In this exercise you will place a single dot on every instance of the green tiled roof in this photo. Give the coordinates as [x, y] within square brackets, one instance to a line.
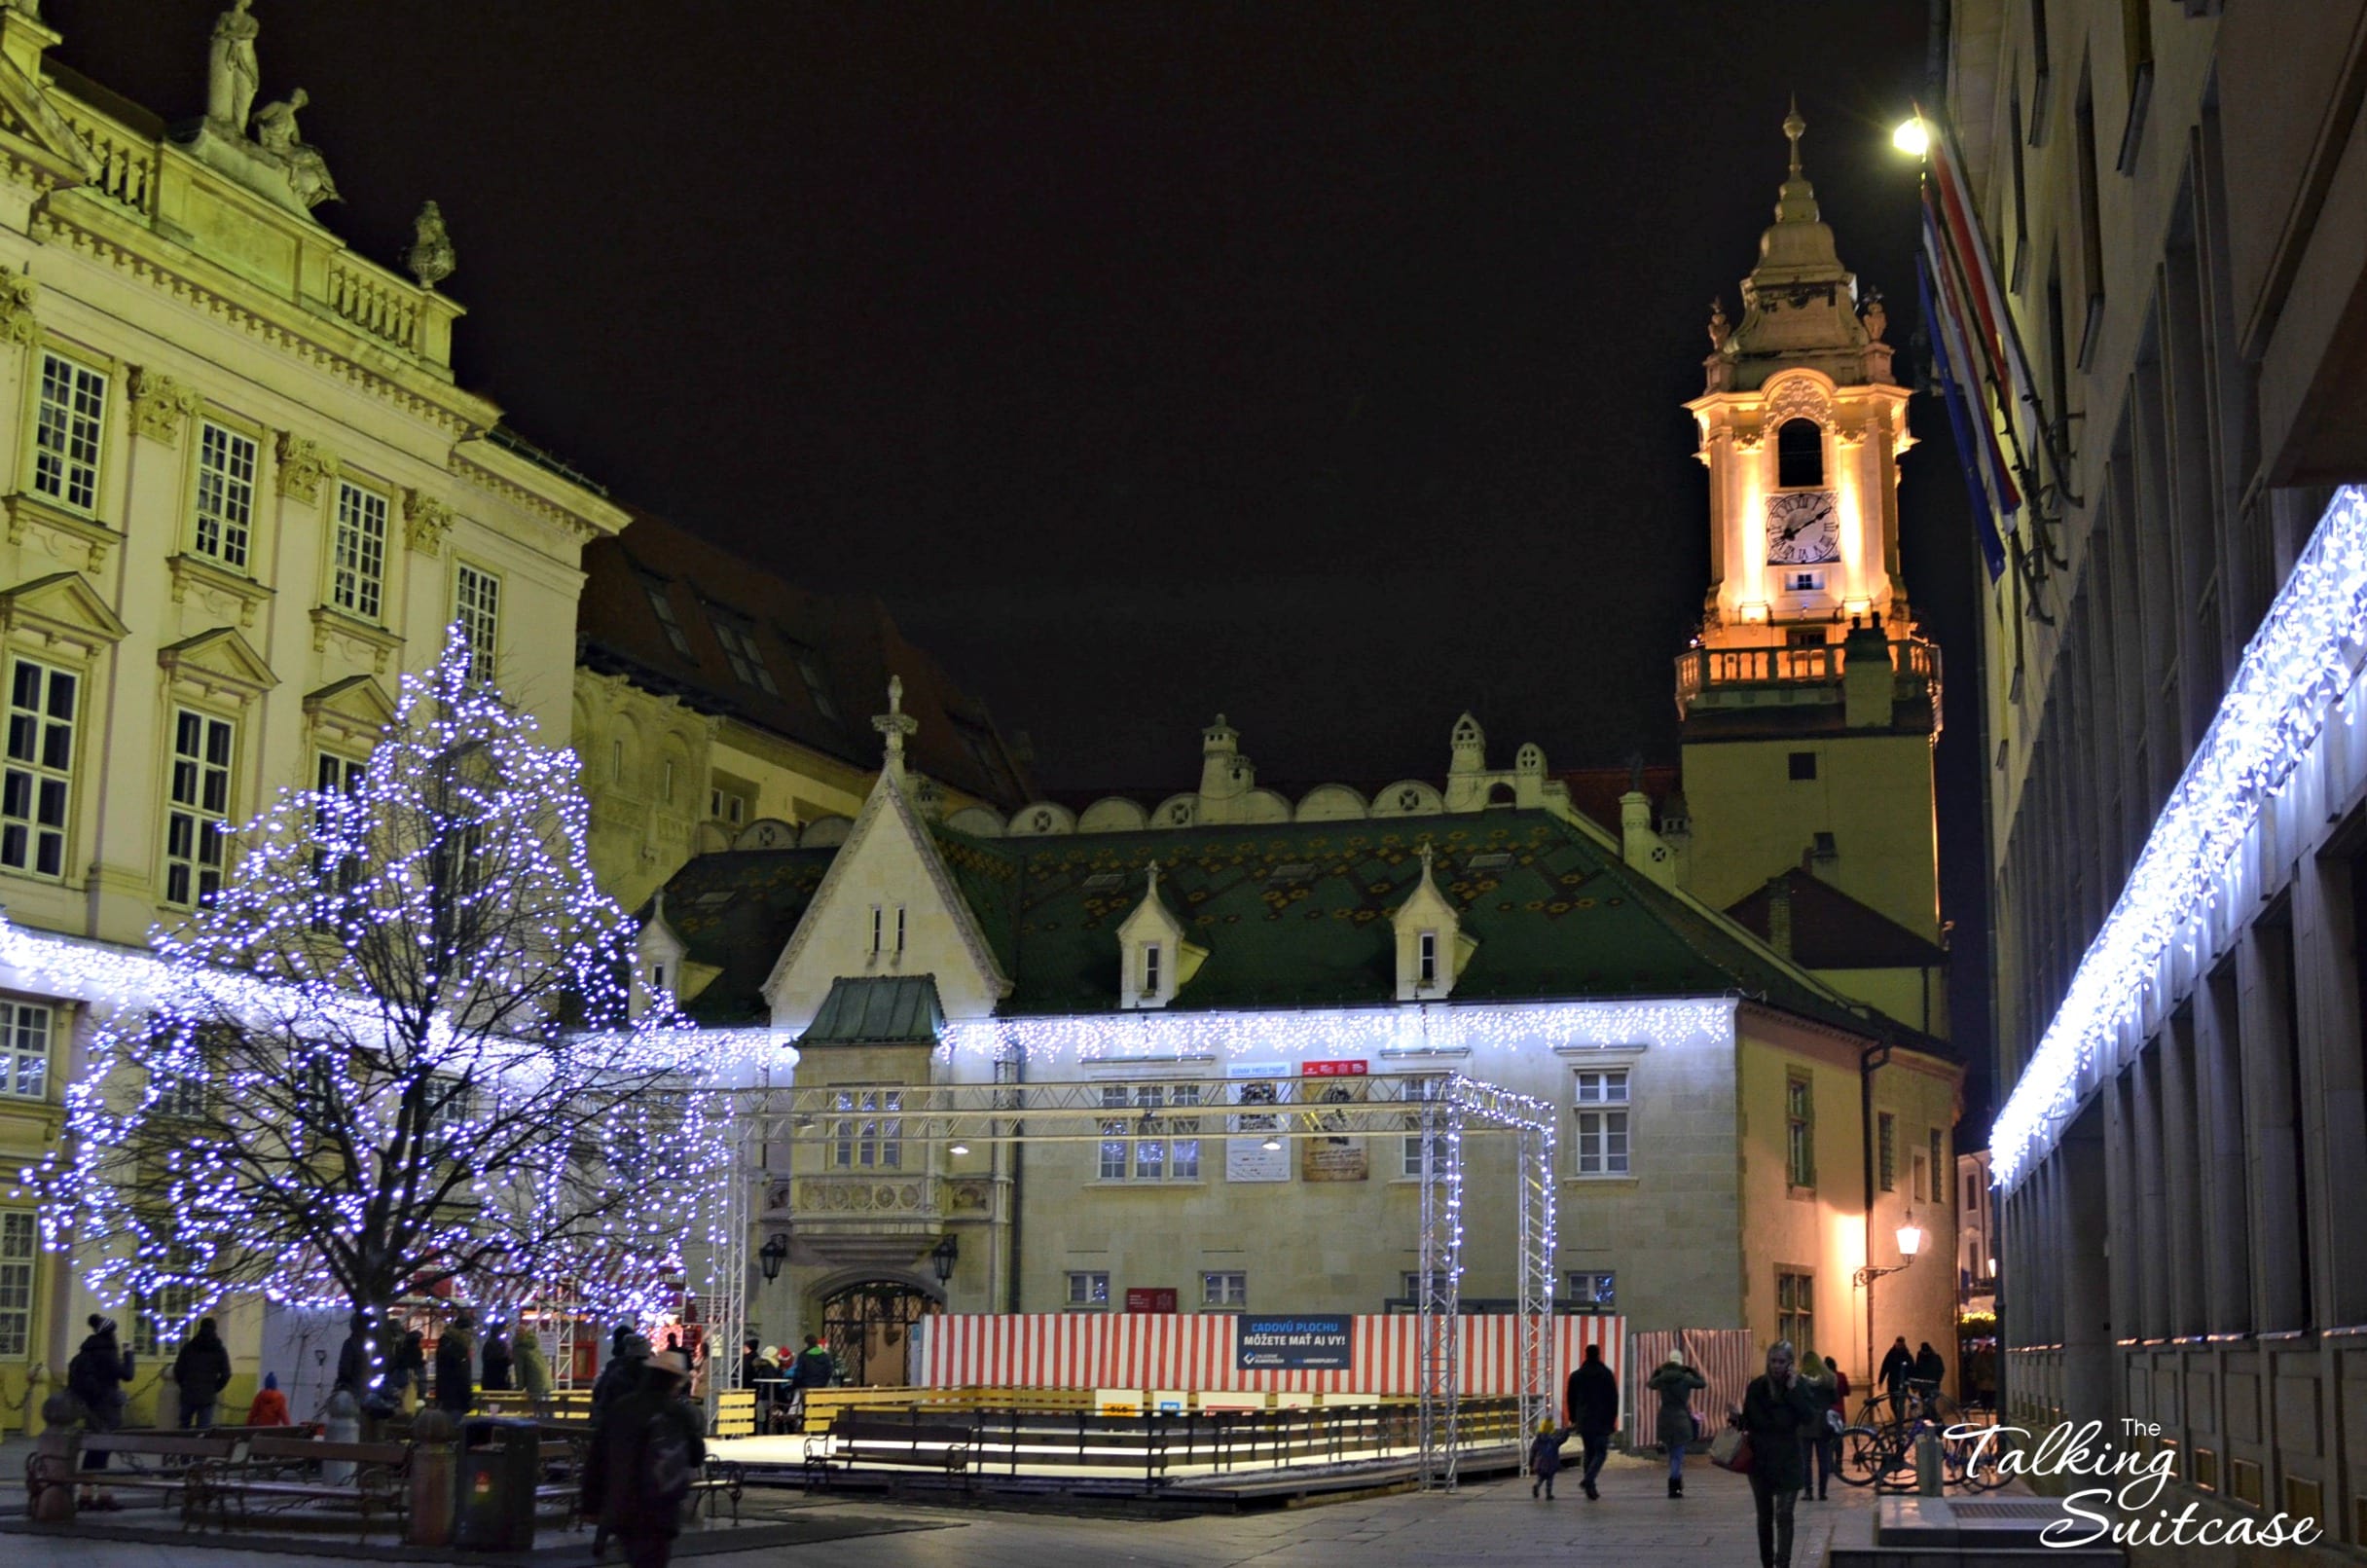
[1297, 915]
[734, 912]
[877, 1009]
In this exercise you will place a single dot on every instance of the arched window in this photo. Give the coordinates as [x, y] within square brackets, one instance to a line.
[1800, 455]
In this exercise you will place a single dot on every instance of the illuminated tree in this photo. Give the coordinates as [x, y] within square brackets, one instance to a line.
[394, 1052]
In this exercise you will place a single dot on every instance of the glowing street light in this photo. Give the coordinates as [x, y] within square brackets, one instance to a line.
[1912, 137]
[1910, 1239]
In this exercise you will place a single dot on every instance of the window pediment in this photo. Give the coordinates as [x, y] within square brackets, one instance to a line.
[61, 610]
[355, 708]
[219, 664]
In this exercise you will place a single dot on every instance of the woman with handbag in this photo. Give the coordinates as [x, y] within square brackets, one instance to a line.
[1675, 1383]
[1779, 1410]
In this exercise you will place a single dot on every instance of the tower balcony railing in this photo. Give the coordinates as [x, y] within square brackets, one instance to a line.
[1773, 674]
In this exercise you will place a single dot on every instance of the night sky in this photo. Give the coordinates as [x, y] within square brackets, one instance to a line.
[1316, 363]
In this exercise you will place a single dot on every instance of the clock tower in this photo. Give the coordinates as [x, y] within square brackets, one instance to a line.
[1809, 700]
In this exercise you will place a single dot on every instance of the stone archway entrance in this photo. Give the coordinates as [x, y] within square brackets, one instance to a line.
[868, 1325]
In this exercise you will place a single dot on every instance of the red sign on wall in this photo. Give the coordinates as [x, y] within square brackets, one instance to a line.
[1331, 1069]
[1140, 1299]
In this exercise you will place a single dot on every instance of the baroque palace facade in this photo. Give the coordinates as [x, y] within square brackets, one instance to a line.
[1723, 993]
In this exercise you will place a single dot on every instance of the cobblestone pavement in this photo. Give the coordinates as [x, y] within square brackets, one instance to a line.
[1492, 1521]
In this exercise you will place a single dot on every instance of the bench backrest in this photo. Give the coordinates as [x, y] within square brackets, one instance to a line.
[159, 1445]
[360, 1453]
[850, 1427]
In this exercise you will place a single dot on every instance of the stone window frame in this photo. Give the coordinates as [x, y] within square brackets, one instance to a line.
[483, 660]
[1797, 1320]
[20, 1278]
[1601, 1110]
[39, 772]
[1121, 1137]
[229, 815]
[1598, 1297]
[1094, 1295]
[1800, 1129]
[109, 374]
[213, 418]
[380, 613]
[15, 1051]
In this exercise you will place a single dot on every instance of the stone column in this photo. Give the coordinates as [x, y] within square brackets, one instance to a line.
[2119, 1203]
[2327, 953]
[2152, 1261]
[2091, 1362]
[2227, 1258]
[2278, 1225]
[2182, 1157]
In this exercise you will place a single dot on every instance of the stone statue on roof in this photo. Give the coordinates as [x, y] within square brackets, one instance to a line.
[431, 257]
[232, 75]
[307, 170]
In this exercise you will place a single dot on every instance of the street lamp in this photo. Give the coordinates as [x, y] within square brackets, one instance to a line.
[1910, 1242]
[1912, 137]
[957, 1147]
[771, 1256]
[944, 1256]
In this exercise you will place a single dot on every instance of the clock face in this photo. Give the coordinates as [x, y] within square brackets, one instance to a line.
[1803, 528]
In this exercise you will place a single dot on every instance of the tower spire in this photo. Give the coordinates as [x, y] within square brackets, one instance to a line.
[1792, 126]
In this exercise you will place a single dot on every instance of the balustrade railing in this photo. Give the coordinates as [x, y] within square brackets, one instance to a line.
[376, 301]
[127, 159]
[1709, 673]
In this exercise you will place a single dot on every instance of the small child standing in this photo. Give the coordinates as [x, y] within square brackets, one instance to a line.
[1545, 1455]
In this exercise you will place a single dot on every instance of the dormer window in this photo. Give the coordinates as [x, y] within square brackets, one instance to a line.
[1426, 960]
[1150, 970]
[1427, 934]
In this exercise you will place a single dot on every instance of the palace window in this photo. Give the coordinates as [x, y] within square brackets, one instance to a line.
[1795, 1307]
[1426, 960]
[225, 494]
[19, 1247]
[37, 776]
[67, 431]
[177, 1096]
[1088, 1291]
[477, 611]
[1800, 455]
[357, 579]
[1146, 1146]
[1225, 1290]
[1150, 970]
[25, 1049]
[1602, 1122]
[1594, 1290]
[196, 821]
[1888, 1150]
[1800, 1132]
[868, 1133]
[1802, 766]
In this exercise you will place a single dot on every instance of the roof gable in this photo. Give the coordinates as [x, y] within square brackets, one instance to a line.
[1832, 931]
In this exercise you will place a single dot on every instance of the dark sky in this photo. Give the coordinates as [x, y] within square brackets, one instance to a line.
[1318, 363]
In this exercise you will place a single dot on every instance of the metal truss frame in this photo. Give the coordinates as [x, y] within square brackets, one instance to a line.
[1442, 1106]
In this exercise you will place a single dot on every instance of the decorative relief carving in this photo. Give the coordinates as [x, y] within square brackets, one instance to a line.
[425, 521]
[17, 323]
[73, 542]
[303, 464]
[159, 405]
[218, 592]
[1798, 397]
[971, 1194]
[354, 639]
[851, 1195]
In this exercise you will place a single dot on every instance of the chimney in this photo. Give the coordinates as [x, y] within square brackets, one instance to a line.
[1779, 915]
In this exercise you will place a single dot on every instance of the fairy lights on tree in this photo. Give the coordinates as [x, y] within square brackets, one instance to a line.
[394, 1053]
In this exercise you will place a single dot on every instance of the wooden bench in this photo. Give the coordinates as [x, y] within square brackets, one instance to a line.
[181, 1454]
[281, 1472]
[860, 1437]
[719, 1480]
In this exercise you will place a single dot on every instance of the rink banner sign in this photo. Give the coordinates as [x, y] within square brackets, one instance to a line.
[1295, 1344]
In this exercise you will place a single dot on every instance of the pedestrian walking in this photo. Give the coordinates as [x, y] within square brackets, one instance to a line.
[353, 1358]
[1930, 1371]
[200, 1371]
[1592, 1404]
[532, 1371]
[270, 1407]
[645, 1453]
[95, 1377]
[1676, 1383]
[621, 1375]
[1837, 1416]
[1898, 1365]
[496, 1360]
[456, 1382]
[1545, 1455]
[406, 1378]
[1777, 1409]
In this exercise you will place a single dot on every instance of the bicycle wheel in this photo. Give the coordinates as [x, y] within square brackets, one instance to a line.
[1866, 1454]
[1984, 1460]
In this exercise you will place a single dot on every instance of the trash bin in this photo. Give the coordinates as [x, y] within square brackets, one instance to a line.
[501, 1461]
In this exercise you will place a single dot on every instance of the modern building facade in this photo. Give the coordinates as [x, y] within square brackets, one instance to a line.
[244, 496]
[2173, 194]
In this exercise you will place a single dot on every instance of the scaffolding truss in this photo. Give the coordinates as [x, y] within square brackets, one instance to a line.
[1443, 1109]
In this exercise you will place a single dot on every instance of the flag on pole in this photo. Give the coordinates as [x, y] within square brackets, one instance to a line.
[1969, 247]
[1961, 420]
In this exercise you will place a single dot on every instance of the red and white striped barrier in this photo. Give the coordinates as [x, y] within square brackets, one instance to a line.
[1196, 1352]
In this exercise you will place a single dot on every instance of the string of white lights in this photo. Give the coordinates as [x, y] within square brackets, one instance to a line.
[1316, 1033]
[2301, 665]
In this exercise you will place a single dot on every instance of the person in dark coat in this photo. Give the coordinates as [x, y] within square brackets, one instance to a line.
[353, 1358]
[1930, 1371]
[1779, 1411]
[95, 1377]
[200, 1371]
[410, 1366]
[1592, 1401]
[1676, 1383]
[1545, 1455]
[646, 1451]
[1898, 1365]
[496, 1360]
[456, 1382]
[621, 1375]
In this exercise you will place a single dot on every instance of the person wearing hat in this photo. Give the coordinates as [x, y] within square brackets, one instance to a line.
[95, 1377]
[621, 1373]
[1676, 1383]
[647, 1449]
[270, 1406]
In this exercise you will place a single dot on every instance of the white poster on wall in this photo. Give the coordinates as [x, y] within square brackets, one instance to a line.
[1246, 1156]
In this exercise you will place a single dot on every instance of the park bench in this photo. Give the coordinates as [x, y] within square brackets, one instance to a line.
[177, 1456]
[283, 1471]
[863, 1438]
